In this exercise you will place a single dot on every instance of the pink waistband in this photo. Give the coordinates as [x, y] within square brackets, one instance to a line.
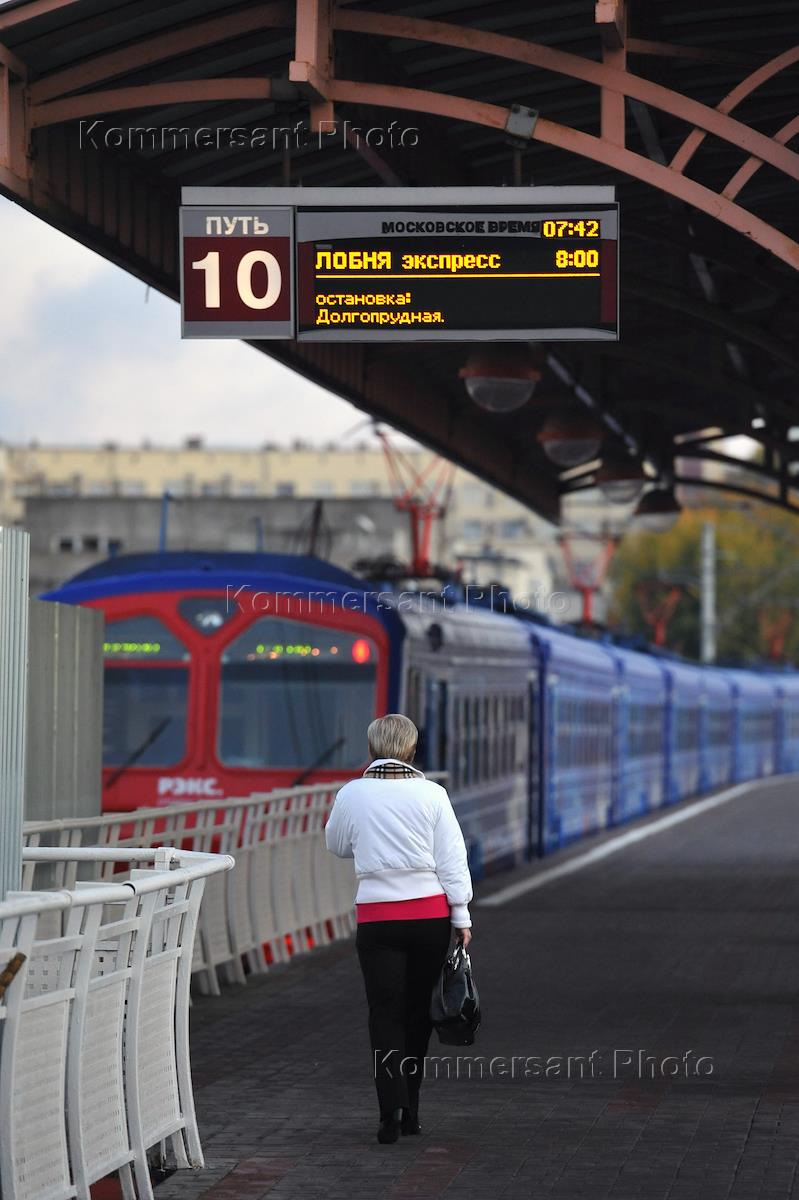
[420, 908]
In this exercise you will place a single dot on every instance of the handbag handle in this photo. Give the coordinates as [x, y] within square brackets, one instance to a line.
[461, 950]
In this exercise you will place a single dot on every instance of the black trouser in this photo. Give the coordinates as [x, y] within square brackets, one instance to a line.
[401, 961]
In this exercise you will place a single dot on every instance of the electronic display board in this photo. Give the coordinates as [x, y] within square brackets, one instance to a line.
[409, 264]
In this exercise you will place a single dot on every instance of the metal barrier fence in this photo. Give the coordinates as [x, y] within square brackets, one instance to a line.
[94, 1001]
[287, 895]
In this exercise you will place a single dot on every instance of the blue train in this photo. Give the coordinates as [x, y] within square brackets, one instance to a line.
[231, 673]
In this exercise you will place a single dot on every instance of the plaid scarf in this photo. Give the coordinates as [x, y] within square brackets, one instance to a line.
[391, 770]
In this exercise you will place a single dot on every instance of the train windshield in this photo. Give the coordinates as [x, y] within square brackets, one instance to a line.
[294, 694]
[146, 694]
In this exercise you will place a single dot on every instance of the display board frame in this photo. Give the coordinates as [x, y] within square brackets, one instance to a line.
[400, 225]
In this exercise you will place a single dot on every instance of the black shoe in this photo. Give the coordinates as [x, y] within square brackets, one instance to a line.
[410, 1122]
[388, 1130]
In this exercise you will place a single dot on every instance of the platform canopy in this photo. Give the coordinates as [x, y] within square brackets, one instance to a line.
[689, 107]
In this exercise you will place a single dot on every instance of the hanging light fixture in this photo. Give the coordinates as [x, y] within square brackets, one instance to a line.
[570, 439]
[658, 510]
[620, 479]
[502, 377]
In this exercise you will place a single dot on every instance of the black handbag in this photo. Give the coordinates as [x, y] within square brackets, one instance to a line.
[455, 1004]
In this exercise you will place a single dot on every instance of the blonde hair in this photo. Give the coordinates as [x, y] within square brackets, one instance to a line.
[393, 736]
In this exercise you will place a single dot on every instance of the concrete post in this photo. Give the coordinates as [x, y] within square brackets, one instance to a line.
[708, 588]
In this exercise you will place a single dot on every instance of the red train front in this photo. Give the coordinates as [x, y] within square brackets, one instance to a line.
[227, 674]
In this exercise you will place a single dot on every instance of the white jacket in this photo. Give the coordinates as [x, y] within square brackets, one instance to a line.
[405, 839]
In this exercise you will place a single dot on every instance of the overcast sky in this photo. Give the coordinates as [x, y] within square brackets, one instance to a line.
[88, 355]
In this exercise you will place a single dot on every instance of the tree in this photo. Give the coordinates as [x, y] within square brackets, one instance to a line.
[757, 581]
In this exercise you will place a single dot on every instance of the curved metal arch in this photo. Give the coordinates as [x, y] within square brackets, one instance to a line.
[741, 90]
[147, 52]
[753, 164]
[585, 145]
[148, 95]
[740, 490]
[572, 65]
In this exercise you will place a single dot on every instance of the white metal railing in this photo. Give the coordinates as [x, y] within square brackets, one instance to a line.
[287, 895]
[94, 1003]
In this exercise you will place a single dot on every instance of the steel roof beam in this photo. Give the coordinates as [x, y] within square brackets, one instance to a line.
[92, 104]
[480, 41]
[312, 65]
[191, 35]
[32, 10]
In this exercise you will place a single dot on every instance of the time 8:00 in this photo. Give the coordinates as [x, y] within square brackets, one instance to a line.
[587, 228]
[577, 258]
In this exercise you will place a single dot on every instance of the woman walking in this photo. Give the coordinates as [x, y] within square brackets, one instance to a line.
[413, 888]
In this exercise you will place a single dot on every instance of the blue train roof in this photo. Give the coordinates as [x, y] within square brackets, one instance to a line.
[182, 562]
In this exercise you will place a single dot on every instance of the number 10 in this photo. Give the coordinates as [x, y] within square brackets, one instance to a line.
[274, 279]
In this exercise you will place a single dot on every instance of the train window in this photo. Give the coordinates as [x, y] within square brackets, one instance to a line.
[474, 740]
[144, 699]
[757, 725]
[468, 741]
[414, 704]
[144, 715]
[414, 710]
[687, 727]
[485, 746]
[143, 638]
[466, 751]
[720, 727]
[442, 716]
[294, 694]
[495, 769]
[457, 743]
[645, 733]
[480, 738]
[507, 735]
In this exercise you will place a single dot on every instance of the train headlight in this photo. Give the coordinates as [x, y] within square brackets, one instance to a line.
[361, 650]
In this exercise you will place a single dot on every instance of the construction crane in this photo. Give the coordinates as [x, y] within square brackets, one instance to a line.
[588, 576]
[424, 493]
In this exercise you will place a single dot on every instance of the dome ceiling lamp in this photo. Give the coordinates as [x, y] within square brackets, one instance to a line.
[658, 510]
[620, 478]
[502, 377]
[570, 439]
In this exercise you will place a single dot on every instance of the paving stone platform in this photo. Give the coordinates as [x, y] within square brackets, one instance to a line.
[595, 989]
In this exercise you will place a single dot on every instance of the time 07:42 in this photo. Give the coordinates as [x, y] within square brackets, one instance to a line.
[558, 229]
